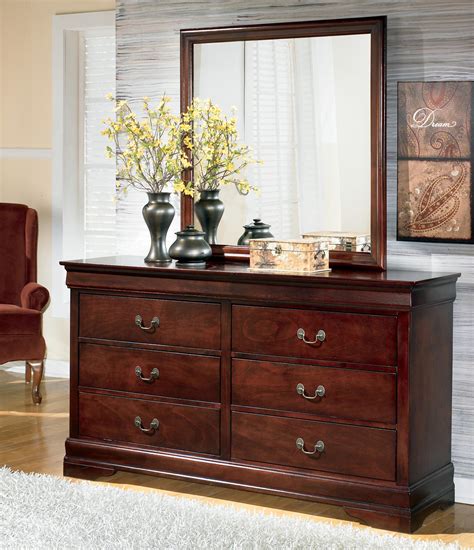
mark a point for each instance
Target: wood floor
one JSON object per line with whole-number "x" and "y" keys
{"x": 32, "y": 439}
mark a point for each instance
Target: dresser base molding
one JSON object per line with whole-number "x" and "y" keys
{"x": 87, "y": 470}
{"x": 379, "y": 504}
{"x": 405, "y": 520}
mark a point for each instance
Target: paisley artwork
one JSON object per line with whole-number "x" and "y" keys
{"x": 435, "y": 192}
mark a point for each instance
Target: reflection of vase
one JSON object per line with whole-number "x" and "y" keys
{"x": 209, "y": 210}
{"x": 158, "y": 214}
{"x": 255, "y": 230}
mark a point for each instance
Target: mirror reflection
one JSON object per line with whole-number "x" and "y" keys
{"x": 303, "y": 105}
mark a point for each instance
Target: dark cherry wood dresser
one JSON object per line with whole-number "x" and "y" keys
{"x": 333, "y": 387}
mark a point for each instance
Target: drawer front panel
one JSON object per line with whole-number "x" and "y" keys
{"x": 182, "y": 427}
{"x": 348, "y": 450}
{"x": 169, "y": 374}
{"x": 180, "y": 323}
{"x": 348, "y": 337}
{"x": 346, "y": 393}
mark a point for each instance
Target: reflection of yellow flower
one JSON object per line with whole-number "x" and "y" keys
{"x": 211, "y": 140}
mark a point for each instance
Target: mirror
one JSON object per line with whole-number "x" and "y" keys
{"x": 294, "y": 110}
{"x": 309, "y": 100}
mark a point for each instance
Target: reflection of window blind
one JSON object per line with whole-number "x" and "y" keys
{"x": 98, "y": 171}
{"x": 270, "y": 131}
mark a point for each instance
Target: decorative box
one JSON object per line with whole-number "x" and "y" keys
{"x": 342, "y": 240}
{"x": 296, "y": 255}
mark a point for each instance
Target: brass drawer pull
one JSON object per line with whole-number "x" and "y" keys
{"x": 319, "y": 392}
{"x": 318, "y": 448}
{"x": 320, "y": 336}
{"x": 154, "y": 425}
{"x": 155, "y": 323}
{"x": 154, "y": 374}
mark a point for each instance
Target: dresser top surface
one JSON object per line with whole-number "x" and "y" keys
{"x": 240, "y": 270}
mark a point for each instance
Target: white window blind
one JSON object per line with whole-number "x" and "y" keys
{"x": 98, "y": 172}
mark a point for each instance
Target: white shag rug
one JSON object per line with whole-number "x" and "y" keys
{"x": 39, "y": 511}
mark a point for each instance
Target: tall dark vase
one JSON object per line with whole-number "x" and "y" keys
{"x": 158, "y": 214}
{"x": 209, "y": 210}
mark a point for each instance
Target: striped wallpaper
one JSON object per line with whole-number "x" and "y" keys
{"x": 427, "y": 40}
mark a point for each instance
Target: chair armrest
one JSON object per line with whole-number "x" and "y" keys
{"x": 34, "y": 296}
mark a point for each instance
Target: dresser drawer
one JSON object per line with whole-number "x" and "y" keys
{"x": 349, "y": 450}
{"x": 194, "y": 429}
{"x": 178, "y": 323}
{"x": 179, "y": 375}
{"x": 342, "y": 393}
{"x": 348, "y": 337}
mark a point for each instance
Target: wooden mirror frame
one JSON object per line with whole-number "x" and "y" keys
{"x": 375, "y": 26}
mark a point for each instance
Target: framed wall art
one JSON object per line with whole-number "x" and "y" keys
{"x": 435, "y": 152}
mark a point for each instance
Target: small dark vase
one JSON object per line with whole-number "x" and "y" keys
{"x": 209, "y": 210}
{"x": 158, "y": 214}
{"x": 255, "y": 230}
{"x": 190, "y": 249}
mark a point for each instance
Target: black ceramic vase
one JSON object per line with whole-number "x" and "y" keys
{"x": 209, "y": 210}
{"x": 158, "y": 214}
{"x": 190, "y": 248}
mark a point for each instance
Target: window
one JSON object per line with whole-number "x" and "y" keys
{"x": 83, "y": 178}
{"x": 88, "y": 220}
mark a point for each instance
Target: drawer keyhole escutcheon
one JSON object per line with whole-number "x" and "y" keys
{"x": 154, "y": 425}
{"x": 320, "y": 336}
{"x": 318, "y": 448}
{"x": 155, "y": 323}
{"x": 319, "y": 392}
{"x": 154, "y": 375}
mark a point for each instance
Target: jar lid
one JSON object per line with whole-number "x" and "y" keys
{"x": 257, "y": 224}
{"x": 190, "y": 231}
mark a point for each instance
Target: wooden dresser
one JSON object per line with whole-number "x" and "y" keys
{"x": 333, "y": 387}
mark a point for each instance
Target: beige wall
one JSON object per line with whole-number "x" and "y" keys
{"x": 26, "y": 123}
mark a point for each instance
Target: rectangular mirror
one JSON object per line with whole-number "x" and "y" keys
{"x": 310, "y": 102}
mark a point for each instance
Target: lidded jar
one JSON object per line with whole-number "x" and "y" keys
{"x": 190, "y": 248}
{"x": 255, "y": 230}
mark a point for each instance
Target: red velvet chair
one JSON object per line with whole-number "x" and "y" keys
{"x": 22, "y": 300}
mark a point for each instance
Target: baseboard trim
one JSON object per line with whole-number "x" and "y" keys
{"x": 464, "y": 492}
{"x": 53, "y": 368}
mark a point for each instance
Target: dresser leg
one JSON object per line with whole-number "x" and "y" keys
{"x": 379, "y": 520}
{"x": 404, "y": 523}
{"x": 89, "y": 472}
{"x": 447, "y": 499}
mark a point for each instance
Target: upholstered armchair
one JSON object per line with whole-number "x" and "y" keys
{"x": 22, "y": 300}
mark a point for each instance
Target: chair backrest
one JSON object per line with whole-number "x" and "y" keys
{"x": 18, "y": 247}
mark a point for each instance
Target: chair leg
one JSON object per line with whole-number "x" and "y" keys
{"x": 37, "y": 367}
{"x": 27, "y": 373}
